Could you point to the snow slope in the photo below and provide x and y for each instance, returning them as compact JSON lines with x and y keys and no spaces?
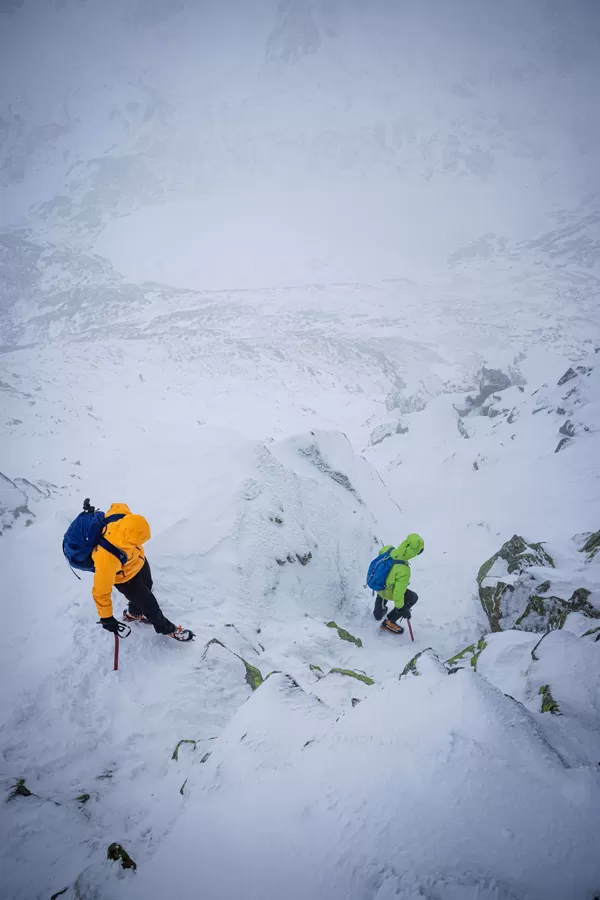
{"x":489,"y":811}
{"x":258,"y":547}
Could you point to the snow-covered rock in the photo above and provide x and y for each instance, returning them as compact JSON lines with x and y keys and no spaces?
{"x":344,"y":808}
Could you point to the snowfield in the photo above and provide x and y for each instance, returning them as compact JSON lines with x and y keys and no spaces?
{"x":355,"y":782}
{"x":294,"y":280}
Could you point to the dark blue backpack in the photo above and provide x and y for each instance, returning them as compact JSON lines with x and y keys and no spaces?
{"x":379,"y":570}
{"x":84,"y":534}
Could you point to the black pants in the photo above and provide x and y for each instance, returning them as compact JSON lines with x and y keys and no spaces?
{"x":142,"y":601}
{"x":380,"y":608}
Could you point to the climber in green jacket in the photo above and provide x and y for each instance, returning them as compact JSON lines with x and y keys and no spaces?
{"x":396,"y":585}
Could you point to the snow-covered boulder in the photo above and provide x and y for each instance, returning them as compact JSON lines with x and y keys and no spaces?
{"x":557,"y":678}
{"x":431,"y":786}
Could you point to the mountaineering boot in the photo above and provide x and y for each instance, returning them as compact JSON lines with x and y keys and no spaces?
{"x":182,"y":634}
{"x":392,"y":626}
{"x":129,"y":617}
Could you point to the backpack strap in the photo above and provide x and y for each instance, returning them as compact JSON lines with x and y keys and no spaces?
{"x":110,"y":548}
{"x":106,"y":545}
{"x":400,"y":562}
{"x":114,"y":518}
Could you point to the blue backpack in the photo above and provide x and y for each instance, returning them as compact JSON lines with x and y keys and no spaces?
{"x":84,"y":534}
{"x":379,"y":570}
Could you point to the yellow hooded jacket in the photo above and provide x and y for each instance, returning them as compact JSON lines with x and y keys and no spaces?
{"x":128,"y":534}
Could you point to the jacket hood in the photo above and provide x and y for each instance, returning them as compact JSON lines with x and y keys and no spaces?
{"x":130,"y":531}
{"x":409,"y":548}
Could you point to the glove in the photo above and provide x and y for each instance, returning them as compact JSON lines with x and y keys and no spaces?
{"x":406,"y":614}
{"x":110,"y":624}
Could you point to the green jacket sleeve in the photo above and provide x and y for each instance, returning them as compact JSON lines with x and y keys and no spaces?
{"x":401,"y":579}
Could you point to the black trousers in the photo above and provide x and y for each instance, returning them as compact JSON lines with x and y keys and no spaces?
{"x":142,"y":602}
{"x":380,"y":608}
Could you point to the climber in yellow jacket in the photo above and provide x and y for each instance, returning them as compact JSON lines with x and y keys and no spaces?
{"x":396,"y":586}
{"x":131,"y":577}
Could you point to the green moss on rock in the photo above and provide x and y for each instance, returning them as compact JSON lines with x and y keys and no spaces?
{"x":591,"y":631}
{"x":591,"y":546}
{"x":20,"y":789}
{"x":474,"y":650}
{"x":345,"y":635}
{"x":317,"y":669}
{"x":117,"y":853}
{"x":481,"y":645}
{"x":175,"y":755}
{"x":352,"y":674}
{"x":549,"y":704}
{"x":544,"y":587}
{"x":411,"y":666}
{"x":253,"y":675}
{"x":458,"y":656}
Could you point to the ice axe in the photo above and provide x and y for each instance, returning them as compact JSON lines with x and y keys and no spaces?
{"x":124,"y":631}
{"x":412,"y":637}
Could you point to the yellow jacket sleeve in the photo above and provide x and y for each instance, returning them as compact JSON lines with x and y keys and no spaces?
{"x":106,"y":566}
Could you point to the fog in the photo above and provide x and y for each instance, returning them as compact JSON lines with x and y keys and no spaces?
{"x":263,"y":143}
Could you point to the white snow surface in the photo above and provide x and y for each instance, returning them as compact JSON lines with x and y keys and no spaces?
{"x":258,"y":262}
{"x":438,"y":783}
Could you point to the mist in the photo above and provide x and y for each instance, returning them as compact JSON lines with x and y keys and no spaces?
{"x":254,"y":144}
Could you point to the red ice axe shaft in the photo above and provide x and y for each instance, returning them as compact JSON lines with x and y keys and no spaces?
{"x":124,"y":631}
{"x":412,"y":637}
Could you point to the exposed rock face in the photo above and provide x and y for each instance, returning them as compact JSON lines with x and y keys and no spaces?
{"x":503,"y":594}
{"x":543,"y":613}
{"x":569,"y":374}
{"x":591,"y":546}
{"x":490,"y":382}
{"x":515,"y":596}
{"x":386,"y":430}
{"x":13,"y":504}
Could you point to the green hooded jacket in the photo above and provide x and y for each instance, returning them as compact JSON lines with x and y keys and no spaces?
{"x":399,"y":577}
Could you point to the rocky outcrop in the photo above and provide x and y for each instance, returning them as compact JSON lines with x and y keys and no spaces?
{"x":503,"y":593}
{"x":543,"y":613}
{"x":491,"y":381}
{"x":386,"y":430}
{"x":117,"y":853}
{"x":591,"y":546}
{"x":514,"y":594}
{"x":13,"y":504}
{"x":313,"y":453}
